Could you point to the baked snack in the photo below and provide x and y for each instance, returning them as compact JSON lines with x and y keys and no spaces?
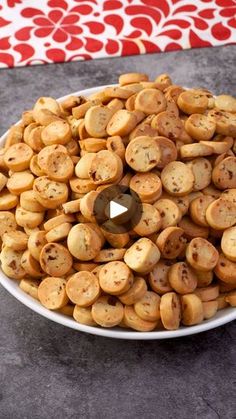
{"x":174,"y":150}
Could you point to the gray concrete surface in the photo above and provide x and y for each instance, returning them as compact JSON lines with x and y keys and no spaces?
{"x":48,"y":371}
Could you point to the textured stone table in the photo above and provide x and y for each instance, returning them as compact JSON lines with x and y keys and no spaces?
{"x":48,"y":371}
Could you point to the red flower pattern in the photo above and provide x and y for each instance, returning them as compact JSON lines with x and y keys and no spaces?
{"x":58,"y":24}
{"x":12,"y":3}
{"x":68,"y":30}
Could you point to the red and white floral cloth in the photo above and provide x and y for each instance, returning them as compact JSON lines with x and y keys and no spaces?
{"x":45,"y":31}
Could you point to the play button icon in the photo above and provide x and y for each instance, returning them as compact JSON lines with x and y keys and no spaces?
{"x":116,"y":208}
{"x":121,"y":208}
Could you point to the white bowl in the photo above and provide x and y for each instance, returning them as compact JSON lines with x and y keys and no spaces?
{"x":222,"y":317}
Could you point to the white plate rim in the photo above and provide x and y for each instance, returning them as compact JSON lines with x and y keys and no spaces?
{"x":222,"y":317}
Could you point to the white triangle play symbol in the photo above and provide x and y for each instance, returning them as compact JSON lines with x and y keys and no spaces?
{"x":116,"y":209}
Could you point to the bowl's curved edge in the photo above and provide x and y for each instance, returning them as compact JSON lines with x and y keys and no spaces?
{"x":222,"y":317}
{"x":12,"y":287}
